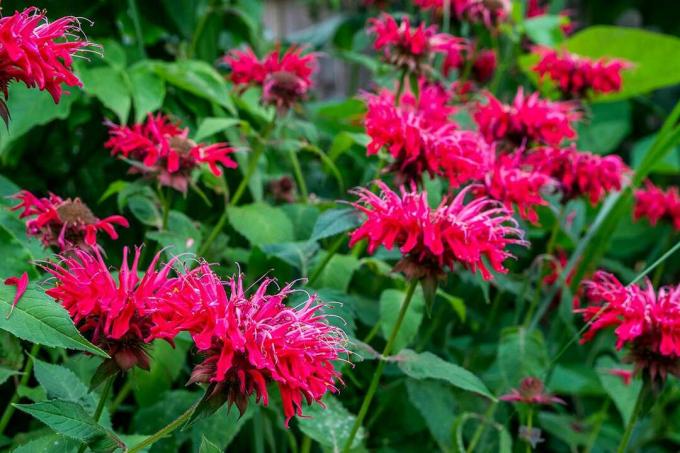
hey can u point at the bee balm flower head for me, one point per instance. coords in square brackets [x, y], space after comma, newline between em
[431, 239]
[656, 204]
[64, 223]
[164, 150]
[646, 320]
[252, 340]
[531, 391]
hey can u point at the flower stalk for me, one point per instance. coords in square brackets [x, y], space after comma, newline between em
[637, 411]
[166, 430]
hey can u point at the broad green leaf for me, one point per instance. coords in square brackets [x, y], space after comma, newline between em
[110, 86]
[521, 354]
[211, 126]
[61, 383]
[564, 427]
[198, 78]
[340, 309]
[656, 56]
[428, 366]
[624, 396]
[145, 210]
[390, 304]
[11, 352]
[297, 254]
[605, 130]
[148, 89]
[436, 404]
[182, 237]
[114, 54]
[331, 426]
[261, 224]
[166, 364]
[335, 221]
[220, 428]
[304, 218]
[16, 258]
[71, 420]
[545, 29]
[338, 272]
[31, 108]
[51, 443]
[669, 165]
[6, 373]
[39, 319]
[208, 447]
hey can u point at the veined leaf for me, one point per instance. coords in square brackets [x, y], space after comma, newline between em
[331, 426]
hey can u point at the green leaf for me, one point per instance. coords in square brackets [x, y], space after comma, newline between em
[208, 447]
[145, 210]
[110, 87]
[521, 354]
[6, 373]
[428, 366]
[148, 89]
[52, 443]
[220, 428]
[390, 304]
[261, 224]
[199, 79]
[335, 221]
[166, 364]
[31, 108]
[545, 30]
[624, 396]
[211, 126]
[71, 420]
[181, 238]
[39, 319]
[331, 426]
[656, 56]
[338, 272]
[16, 258]
[297, 254]
[436, 404]
[610, 124]
[669, 165]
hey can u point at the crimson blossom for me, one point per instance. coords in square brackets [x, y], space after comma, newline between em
[421, 137]
[39, 53]
[285, 78]
[64, 223]
[114, 313]
[646, 320]
[577, 76]
[529, 119]
[531, 391]
[432, 239]
[581, 173]
[488, 12]
[655, 204]
[412, 48]
[252, 340]
[162, 149]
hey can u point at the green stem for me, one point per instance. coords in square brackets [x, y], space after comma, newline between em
[599, 421]
[477, 436]
[215, 232]
[326, 259]
[297, 170]
[28, 368]
[623, 445]
[199, 30]
[139, 36]
[530, 420]
[252, 165]
[100, 406]
[306, 445]
[166, 203]
[413, 284]
[167, 429]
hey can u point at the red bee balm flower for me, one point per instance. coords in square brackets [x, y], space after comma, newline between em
[656, 204]
[165, 150]
[285, 78]
[64, 223]
[531, 391]
[488, 12]
[647, 320]
[578, 77]
[38, 52]
[252, 340]
[412, 48]
[581, 172]
[529, 119]
[113, 313]
[511, 184]
[431, 239]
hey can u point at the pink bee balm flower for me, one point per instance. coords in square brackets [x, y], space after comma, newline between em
[531, 391]
[645, 319]
[432, 239]
[285, 78]
[489, 12]
[39, 53]
[512, 184]
[655, 204]
[625, 375]
[113, 313]
[581, 172]
[252, 340]
[529, 119]
[64, 223]
[165, 151]
[578, 77]
[412, 48]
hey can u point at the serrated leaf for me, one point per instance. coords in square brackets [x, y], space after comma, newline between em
[208, 447]
[52, 443]
[338, 272]
[624, 396]
[261, 224]
[428, 366]
[390, 304]
[335, 221]
[521, 354]
[211, 126]
[109, 86]
[436, 405]
[331, 426]
[39, 319]
[297, 254]
[71, 420]
[148, 89]
[221, 427]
